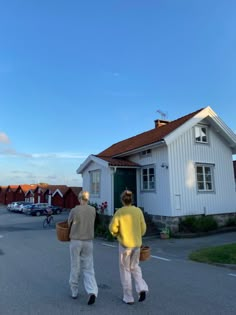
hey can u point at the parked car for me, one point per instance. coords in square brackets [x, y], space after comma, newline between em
[14, 206]
[41, 208]
[55, 209]
[10, 206]
[36, 209]
[22, 204]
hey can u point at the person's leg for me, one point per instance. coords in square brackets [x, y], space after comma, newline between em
[125, 275]
[87, 267]
[75, 248]
[140, 284]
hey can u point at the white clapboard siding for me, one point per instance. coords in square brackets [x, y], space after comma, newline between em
[156, 202]
[183, 154]
[106, 193]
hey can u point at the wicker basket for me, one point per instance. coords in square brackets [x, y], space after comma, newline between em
[145, 253]
[63, 231]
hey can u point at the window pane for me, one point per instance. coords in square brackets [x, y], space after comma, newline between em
[208, 186]
[199, 177]
[148, 178]
[199, 170]
[145, 171]
[145, 185]
[152, 185]
[197, 134]
[200, 186]
[200, 134]
[204, 134]
[204, 178]
[95, 182]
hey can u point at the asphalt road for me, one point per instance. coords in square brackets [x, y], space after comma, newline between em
[34, 271]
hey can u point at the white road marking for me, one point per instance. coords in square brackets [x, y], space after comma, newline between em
[109, 245]
[161, 258]
[232, 274]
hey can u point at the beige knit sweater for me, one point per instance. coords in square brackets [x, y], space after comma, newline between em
[82, 218]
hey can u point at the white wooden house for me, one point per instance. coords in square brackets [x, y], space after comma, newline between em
[179, 168]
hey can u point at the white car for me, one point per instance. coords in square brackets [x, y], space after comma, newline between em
[12, 206]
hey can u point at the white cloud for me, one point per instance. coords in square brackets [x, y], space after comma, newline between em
[60, 155]
[13, 153]
[4, 138]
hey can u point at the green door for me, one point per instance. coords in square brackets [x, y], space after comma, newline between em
[124, 179]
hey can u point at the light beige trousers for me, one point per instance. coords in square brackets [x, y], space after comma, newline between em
[129, 267]
[81, 257]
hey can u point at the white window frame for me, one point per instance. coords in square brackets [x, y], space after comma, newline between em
[205, 178]
[146, 153]
[95, 183]
[148, 178]
[201, 134]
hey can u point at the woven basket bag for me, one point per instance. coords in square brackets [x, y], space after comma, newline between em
[145, 253]
[63, 231]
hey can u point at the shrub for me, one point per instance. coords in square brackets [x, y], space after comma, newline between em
[188, 224]
[206, 223]
[231, 222]
[195, 224]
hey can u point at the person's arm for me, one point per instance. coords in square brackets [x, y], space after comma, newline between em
[114, 226]
[70, 217]
[143, 224]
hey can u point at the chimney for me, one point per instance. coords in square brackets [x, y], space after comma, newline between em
[160, 122]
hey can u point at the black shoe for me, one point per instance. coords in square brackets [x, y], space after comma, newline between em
[142, 296]
[91, 299]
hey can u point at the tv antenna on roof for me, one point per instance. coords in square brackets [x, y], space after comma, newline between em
[163, 115]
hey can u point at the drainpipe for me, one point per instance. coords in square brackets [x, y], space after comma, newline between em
[113, 171]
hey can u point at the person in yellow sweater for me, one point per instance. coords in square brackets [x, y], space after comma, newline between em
[128, 225]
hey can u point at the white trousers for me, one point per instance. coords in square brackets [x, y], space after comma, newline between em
[81, 257]
[129, 267]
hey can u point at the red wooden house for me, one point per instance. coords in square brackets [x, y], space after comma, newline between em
[58, 195]
[11, 194]
[55, 194]
[3, 194]
[71, 197]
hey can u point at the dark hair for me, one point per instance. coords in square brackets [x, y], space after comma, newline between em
[126, 197]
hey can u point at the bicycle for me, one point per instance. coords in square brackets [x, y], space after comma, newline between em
[49, 220]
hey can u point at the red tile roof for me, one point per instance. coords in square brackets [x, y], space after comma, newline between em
[145, 138]
[26, 187]
[13, 187]
[118, 162]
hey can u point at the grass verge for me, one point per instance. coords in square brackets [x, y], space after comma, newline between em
[225, 254]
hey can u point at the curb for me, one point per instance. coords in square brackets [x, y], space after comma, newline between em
[200, 234]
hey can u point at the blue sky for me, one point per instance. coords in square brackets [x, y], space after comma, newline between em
[78, 76]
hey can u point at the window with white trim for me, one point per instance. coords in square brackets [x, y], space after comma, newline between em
[201, 134]
[148, 178]
[205, 182]
[95, 182]
[145, 153]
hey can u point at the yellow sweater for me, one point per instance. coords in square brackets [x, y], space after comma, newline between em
[128, 225]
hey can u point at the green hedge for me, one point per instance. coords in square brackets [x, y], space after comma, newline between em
[194, 224]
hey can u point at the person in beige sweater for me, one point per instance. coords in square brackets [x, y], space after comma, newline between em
[81, 219]
[128, 225]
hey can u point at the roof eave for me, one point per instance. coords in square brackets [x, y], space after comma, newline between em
[91, 158]
[139, 149]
